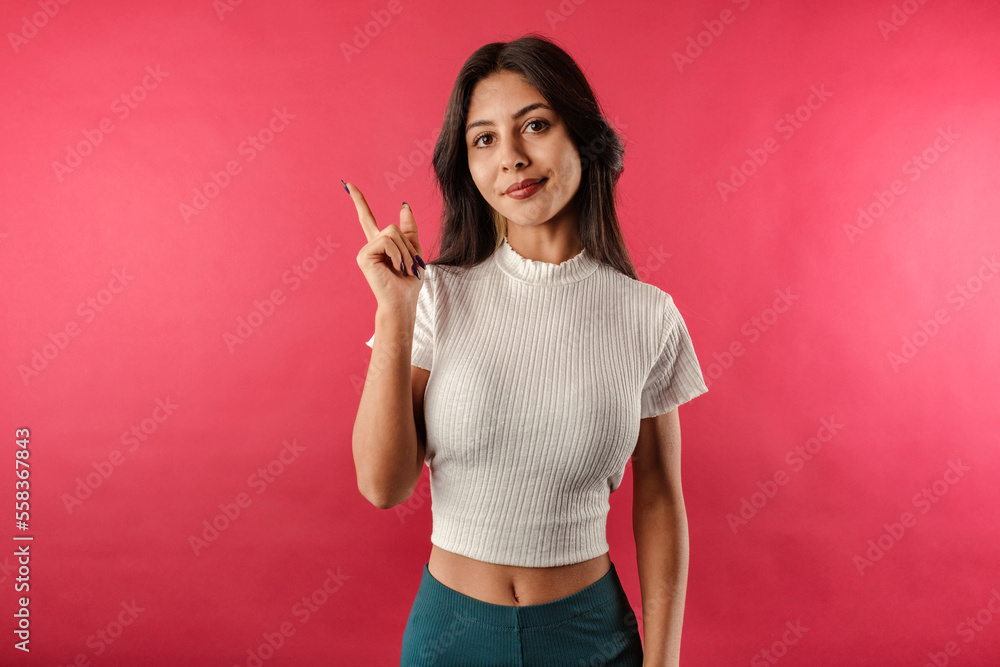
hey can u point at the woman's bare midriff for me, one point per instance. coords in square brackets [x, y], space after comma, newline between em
[512, 585]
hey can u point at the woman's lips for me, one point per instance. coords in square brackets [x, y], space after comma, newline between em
[524, 193]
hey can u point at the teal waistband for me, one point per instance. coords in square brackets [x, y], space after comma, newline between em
[466, 609]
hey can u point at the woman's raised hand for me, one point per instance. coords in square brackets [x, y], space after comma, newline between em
[391, 259]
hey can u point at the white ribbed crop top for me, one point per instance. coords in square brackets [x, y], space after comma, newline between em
[540, 374]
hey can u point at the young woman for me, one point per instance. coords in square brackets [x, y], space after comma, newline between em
[525, 366]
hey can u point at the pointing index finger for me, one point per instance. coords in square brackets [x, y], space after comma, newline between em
[368, 223]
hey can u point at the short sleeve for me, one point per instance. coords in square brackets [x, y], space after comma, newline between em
[422, 352]
[676, 376]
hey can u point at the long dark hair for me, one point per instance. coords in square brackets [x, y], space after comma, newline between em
[472, 229]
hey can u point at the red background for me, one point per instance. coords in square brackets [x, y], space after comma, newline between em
[298, 375]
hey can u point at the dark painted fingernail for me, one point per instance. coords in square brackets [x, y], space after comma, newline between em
[415, 271]
[402, 267]
[420, 261]
[345, 186]
[406, 205]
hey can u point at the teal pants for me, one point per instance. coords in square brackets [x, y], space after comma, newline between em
[594, 626]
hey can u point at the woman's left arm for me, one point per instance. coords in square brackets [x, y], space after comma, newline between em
[659, 523]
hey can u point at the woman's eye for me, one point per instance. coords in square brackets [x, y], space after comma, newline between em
[542, 124]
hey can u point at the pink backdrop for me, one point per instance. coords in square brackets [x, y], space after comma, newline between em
[185, 322]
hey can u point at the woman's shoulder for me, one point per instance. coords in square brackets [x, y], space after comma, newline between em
[629, 288]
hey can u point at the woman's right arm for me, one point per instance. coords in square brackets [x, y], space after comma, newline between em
[388, 438]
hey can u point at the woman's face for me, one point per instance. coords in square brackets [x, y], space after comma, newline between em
[512, 136]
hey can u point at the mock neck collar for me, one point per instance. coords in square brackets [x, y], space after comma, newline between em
[544, 273]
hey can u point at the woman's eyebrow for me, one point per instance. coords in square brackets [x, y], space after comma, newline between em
[515, 116]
